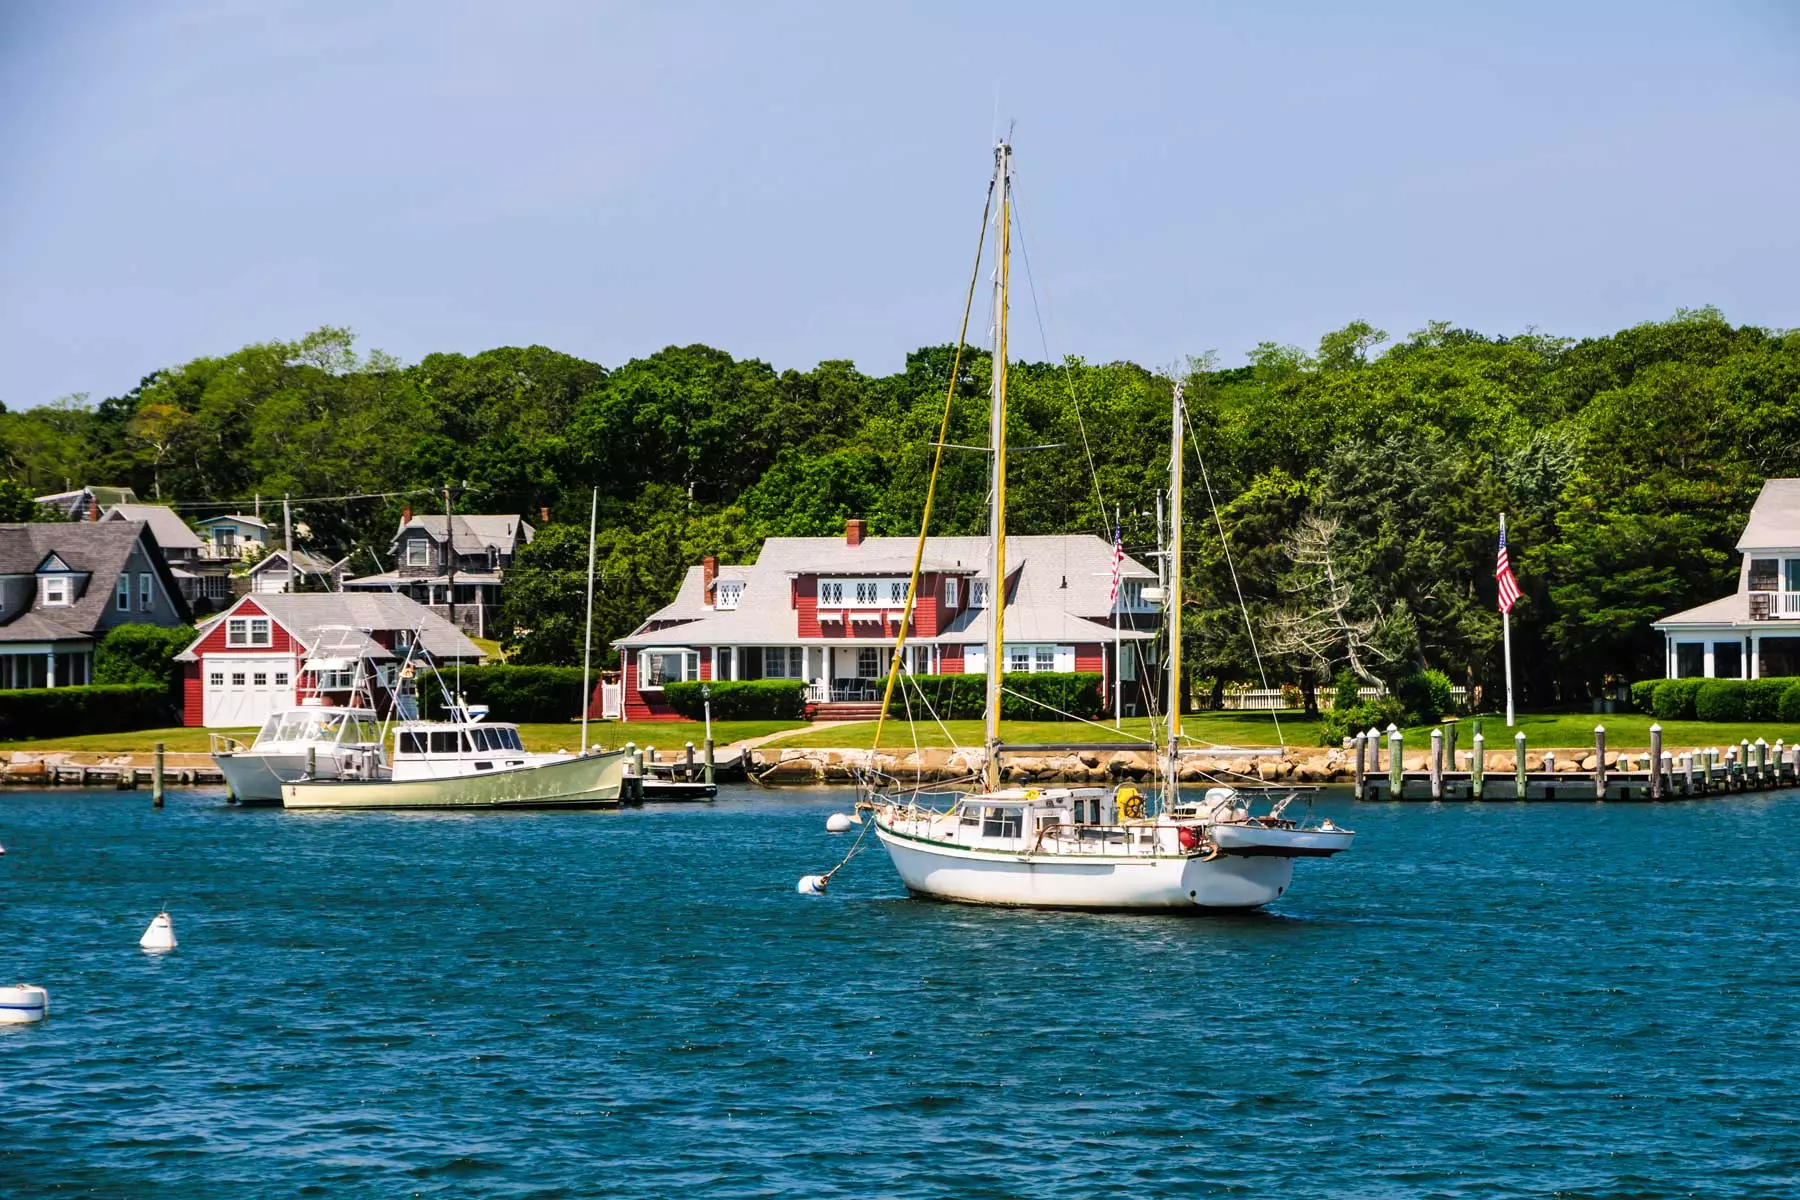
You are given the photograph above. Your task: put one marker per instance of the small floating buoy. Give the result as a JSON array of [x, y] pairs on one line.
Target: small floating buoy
[[22, 1004], [811, 885], [839, 823], [161, 934]]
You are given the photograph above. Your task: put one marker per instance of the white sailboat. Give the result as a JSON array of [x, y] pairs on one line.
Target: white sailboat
[[1085, 848]]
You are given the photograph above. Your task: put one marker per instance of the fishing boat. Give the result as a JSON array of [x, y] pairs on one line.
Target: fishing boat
[[332, 732], [1081, 848]]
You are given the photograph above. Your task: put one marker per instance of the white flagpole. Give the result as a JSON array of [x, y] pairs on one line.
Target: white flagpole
[[1506, 633]]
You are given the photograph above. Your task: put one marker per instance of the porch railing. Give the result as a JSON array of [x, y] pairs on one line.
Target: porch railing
[[1774, 606]]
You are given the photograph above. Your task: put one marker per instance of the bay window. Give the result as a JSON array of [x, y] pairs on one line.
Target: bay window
[[657, 667]]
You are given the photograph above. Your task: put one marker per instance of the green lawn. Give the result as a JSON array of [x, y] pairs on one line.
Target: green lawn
[[1223, 729], [664, 735], [1629, 731]]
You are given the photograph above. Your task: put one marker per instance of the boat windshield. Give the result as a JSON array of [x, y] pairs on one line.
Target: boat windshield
[[317, 726]]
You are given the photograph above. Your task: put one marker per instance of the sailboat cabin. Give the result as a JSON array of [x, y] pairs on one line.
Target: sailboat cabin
[[826, 611]]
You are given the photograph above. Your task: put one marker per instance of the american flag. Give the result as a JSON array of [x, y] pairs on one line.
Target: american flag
[[1509, 587], [1118, 563]]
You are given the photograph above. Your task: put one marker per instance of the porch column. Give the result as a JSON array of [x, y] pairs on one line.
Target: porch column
[[1706, 668], [1753, 668], [1751, 643], [50, 667]]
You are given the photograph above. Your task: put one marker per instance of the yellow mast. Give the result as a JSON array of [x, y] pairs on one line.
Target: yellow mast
[[996, 597]]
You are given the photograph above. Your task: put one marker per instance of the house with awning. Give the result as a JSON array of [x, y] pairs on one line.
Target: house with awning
[[826, 611], [1754, 633]]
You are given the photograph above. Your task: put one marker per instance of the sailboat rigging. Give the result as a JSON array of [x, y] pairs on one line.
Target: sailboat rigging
[[1078, 847]]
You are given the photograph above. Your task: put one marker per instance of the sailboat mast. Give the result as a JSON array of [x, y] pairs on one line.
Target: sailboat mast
[[996, 597], [1172, 775], [587, 644]]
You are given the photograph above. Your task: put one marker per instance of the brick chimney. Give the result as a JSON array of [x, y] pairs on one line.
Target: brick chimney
[[855, 530], [543, 514], [406, 515], [93, 508], [709, 573]]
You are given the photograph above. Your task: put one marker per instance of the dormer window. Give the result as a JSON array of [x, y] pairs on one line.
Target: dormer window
[[978, 593], [727, 593], [122, 594], [950, 592], [1765, 574], [418, 553], [493, 558], [53, 591]]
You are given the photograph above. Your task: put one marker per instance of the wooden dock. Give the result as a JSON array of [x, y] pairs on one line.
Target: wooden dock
[[1599, 775]]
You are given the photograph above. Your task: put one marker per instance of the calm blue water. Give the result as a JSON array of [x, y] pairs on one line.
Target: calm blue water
[[1480, 1001]]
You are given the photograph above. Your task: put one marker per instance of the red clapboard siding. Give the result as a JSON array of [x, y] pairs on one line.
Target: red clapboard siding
[[705, 663], [193, 700], [1088, 657], [950, 660], [214, 643], [641, 706], [806, 603]]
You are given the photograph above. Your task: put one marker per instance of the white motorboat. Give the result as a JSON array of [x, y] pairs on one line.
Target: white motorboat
[[333, 732], [1082, 848]]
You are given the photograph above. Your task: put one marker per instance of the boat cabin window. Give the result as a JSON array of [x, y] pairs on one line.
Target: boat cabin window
[[412, 743], [1000, 822], [444, 741]]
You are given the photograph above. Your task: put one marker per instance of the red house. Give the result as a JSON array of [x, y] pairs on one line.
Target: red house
[[245, 663], [826, 610]]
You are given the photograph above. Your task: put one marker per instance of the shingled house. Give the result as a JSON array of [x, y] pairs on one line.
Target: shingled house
[[481, 547], [64, 584]]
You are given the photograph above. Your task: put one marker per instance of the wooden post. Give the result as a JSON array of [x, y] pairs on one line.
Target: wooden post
[[1656, 763], [1762, 761], [1362, 749], [1599, 762], [688, 771], [1780, 762], [709, 760], [1450, 742], [1437, 763], [1396, 761], [1477, 767], [1519, 765], [312, 762], [1373, 736], [156, 778]]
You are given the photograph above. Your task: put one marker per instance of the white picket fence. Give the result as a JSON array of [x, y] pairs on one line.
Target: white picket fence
[[1270, 699]]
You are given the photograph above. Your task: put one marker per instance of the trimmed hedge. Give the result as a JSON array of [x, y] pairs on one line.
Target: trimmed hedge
[[1789, 708], [1041, 696], [1721, 700], [95, 708], [531, 694], [1643, 694], [1673, 699], [142, 654], [740, 699]]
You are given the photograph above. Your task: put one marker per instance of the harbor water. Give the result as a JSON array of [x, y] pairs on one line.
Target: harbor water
[[1480, 1000]]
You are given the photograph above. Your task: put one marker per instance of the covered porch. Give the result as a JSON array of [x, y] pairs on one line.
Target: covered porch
[[1726, 652], [845, 672]]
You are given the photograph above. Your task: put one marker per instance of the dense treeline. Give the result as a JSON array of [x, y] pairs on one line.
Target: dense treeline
[[1358, 485]]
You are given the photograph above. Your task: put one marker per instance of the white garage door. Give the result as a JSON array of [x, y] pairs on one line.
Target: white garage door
[[243, 689]]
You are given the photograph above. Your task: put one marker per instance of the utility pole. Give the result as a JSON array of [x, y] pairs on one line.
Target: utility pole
[[287, 538], [450, 554]]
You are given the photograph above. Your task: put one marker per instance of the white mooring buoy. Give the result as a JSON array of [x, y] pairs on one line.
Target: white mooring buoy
[[161, 934], [840, 823], [22, 1004], [811, 885]]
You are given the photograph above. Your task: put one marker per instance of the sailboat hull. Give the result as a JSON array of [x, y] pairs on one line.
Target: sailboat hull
[[1170, 883]]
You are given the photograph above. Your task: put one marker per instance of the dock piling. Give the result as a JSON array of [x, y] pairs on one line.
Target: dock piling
[[1519, 765], [1762, 761], [1362, 747], [1437, 763], [1656, 762], [709, 760], [1599, 762], [1396, 761], [1450, 741], [156, 779], [688, 770], [1373, 737], [1477, 766]]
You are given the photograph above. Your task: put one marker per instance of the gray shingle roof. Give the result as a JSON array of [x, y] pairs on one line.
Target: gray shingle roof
[[307, 614], [98, 549], [474, 532], [172, 533], [1775, 517], [1063, 581]]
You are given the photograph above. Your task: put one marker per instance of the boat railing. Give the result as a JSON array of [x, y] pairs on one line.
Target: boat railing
[[1101, 839], [224, 743]]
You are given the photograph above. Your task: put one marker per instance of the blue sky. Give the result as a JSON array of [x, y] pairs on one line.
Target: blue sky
[[795, 182]]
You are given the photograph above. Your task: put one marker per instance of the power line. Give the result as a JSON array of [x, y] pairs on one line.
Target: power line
[[193, 505]]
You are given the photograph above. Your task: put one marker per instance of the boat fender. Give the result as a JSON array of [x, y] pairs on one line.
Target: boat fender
[[23, 1004], [1189, 839], [811, 885], [839, 823]]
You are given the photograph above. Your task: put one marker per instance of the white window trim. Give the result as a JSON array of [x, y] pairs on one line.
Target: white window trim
[[727, 593], [422, 548], [64, 594], [864, 592], [122, 593], [978, 593], [950, 592], [146, 592], [690, 665]]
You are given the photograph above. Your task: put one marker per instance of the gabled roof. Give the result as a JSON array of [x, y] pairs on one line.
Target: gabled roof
[[234, 518], [1062, 589], [75, 501], [474, 532], [310, 615], [1728, 610], [172, 533], [98, 549], [307, 564], [1775, 517]]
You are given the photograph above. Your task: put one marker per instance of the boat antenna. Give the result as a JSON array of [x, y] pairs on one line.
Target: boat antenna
[[587, 646]]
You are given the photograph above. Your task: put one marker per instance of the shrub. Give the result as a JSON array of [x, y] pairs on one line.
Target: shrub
[[1378, 713], [746, 699], [1789, 709], [515, 693], [1346, 691], [1762, 698], [1426, 696], [1039, 696], [96, 708], [1673, 699], [1643, 694], [1721, 700], [142, 654]]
